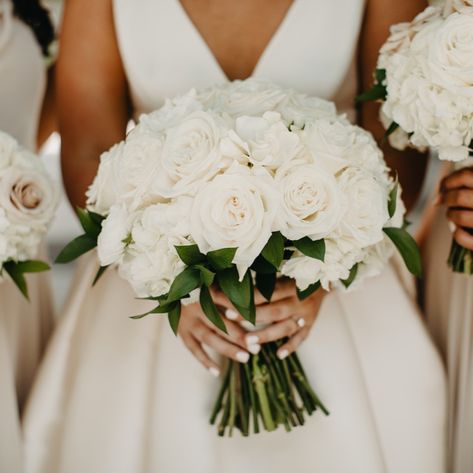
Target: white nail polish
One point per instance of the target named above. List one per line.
(301, 322)
(255, 349)
(243, 356)
(230, 314)
(215, 372)
(252, 340)
(247, 325)
(282, 354)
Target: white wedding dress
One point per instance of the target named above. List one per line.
(24, 326)
(121, 396)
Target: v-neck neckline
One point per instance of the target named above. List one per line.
(213, 57)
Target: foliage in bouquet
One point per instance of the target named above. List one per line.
(238, 185)
(28, 200)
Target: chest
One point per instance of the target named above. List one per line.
(237, 33)
(309, 45)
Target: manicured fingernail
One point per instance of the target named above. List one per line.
(252, 340)
(243, 356)
(247, 325)
(215, 372)
(255, 349)
(452, 227)
(438, 199)
(301, 322)
(230, 314)
(282, 354)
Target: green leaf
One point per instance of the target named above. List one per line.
(174, 316)
(392, 202)
(391, 129)
(160, 309)
(90, 225)
(221, 259)
(238, 292)
(266, 284)
(32, 266)
(407, 247)
(261, 266)
(313, 248)
(190, 254)
(210, 309)
(76, 248)
(17, 277)
(351, 277)
(249, 313)
(97, 218)
(308, 292)
(184, 283)
(380, 76)
(273, 252)
(99, 274)
(206, 276)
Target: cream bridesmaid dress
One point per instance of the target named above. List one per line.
(449, 308)
(120, 396)
(24, 326)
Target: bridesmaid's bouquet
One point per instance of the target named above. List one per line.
(28, 200)
(237, 186)
(424, 79)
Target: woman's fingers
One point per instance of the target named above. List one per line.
(460, 178)
(462, 218)
(293, 343)
(197, 350)
(223, 347)
(462, 198)
(236, 333)
(275, 311)
(276, 331)
(463, 238)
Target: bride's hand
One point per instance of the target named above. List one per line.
(286, 315)
(196, 331)
(457, 194)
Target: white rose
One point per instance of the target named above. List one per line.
(236, 209)
(268, 141)
(451, 54)
(151, 273)
(310, 203)
(306, 271)
(299, 109)
(112, 240)
(366, 209)
(28, 197)
(248, 97)
(7, 146)
(335, 144)
(191, 154)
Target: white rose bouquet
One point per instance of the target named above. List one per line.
(236, 186)
(424, 79)
(28, 200)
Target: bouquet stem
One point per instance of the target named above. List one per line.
(460, 259)
(267, 389)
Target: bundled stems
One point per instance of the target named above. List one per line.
(460, 259)
(266, 391)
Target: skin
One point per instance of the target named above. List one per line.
(456, 193)
(48, 119)
(94, 109)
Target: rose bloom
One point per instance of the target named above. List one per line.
(236, 209)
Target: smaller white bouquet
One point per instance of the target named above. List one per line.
(424, 79)
(238, 185)
(28, 200)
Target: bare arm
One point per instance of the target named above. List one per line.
(48, 119)
(380, 15)
(92, 94)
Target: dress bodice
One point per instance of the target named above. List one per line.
(22, 78)
(313, 51)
